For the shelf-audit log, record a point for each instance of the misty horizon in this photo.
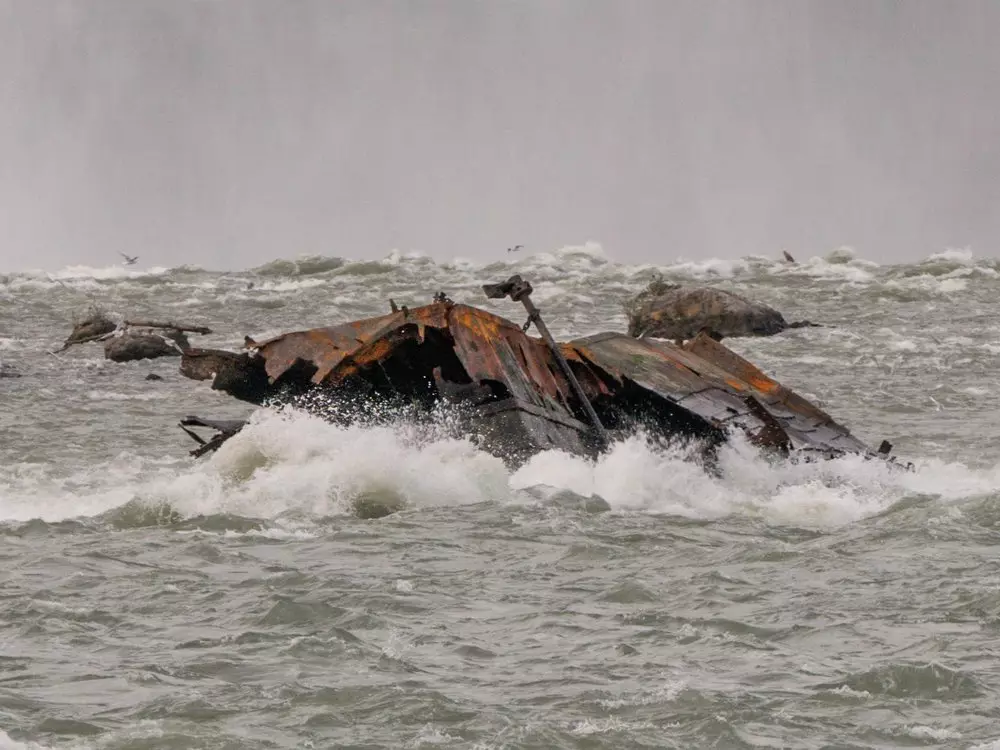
(227, 134)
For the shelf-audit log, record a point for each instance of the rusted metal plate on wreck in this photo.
(671, 373)
(489, 347)
(492, 348)
(768, 389)
(688, 373)
(799, 417)
(714, 386)
(356, 344)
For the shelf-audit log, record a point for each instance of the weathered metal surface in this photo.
(520, 290)
(709, 380)
(516, 430)
(513, 388)
(491, 348)
(669, 372)
(339, 351)
(488, 346)
(806, 423)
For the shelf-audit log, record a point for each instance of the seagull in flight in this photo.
(129, 260)
(514, 249)
(788, 256)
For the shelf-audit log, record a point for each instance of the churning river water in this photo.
(151, 600)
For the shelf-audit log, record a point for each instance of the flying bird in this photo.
(129, 260)
(514, 249)
(788, 256)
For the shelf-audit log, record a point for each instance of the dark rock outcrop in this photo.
(672, 311)
(134, 345)
(96, 324)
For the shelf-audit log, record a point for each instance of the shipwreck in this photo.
(517, 394)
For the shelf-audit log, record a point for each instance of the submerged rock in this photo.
(134, 345)
(672, 311)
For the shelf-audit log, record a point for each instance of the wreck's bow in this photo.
(516, 394)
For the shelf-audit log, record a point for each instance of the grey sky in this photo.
(229, 132)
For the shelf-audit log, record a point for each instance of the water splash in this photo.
(289, 462)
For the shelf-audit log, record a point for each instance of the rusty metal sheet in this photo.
(805, 422)
(714, 405)
(708, 349)
(777, 398)
(362, 341)
(712, 381)
(671, 373)
(492, 348)
(675, 371)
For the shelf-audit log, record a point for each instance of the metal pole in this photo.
(519, 290)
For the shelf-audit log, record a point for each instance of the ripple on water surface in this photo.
(392, 586)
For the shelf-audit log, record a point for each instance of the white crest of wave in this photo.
(638, 475)
(951, 255)
(290, 462)
(7, 743)
(568, 259)
(115, 272)
(708, 268)
(641, 476)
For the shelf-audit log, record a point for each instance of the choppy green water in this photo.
(151, 601)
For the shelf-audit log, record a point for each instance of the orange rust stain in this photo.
(761, 382)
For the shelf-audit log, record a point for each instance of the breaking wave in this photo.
(287, 464)
(304, 266)
(573, 262)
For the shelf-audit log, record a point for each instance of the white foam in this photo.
(852, 693)
(951, 255)
(850, 271)
(718, 268)
(431, 735)
(588, 727)
(287, 462)
(637, 475)
(665, 692)
(6, 743)
(928, 283)
(117, 396)
(297, 285)
(934, 734)
(105, 272)
(947, 286)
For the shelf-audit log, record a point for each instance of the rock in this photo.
(154, 376)
(671, 311)
(133, 345)
(96, 325)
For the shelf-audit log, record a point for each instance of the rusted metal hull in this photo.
(511, 391)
